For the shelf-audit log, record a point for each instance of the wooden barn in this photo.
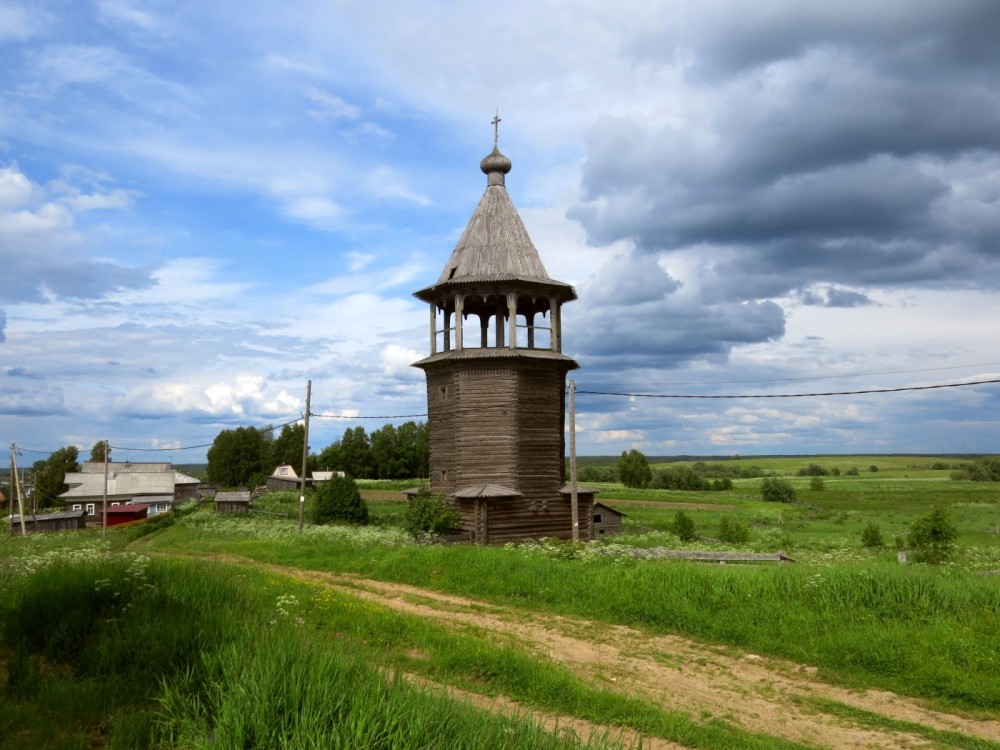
(607, 520)
(70, 520)
(232, 502)
(496, 379)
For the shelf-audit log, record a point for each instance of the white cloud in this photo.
(397, 360)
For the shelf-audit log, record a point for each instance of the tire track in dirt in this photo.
(755, 693)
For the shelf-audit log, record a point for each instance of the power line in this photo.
(828, 377)
(203, 445)
(344, 416)
(789, 395)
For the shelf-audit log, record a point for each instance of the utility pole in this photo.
(572, 462)
(305, 456)
(17, 486)
(104, 511)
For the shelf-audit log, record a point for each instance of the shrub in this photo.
(873, 468)
(816, 484)
(428, 514)
(853, 472)
(683, 526)
(933, 536)
(777, 490)
(871, 536)
(812, 470)
(338, 499)
(733, 532)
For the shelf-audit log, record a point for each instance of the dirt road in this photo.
(753, 692)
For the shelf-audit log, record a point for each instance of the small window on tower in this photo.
(444, 475)
(451, 274)
(444, 392)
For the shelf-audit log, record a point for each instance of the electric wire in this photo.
(829, 377)
(787, 395)
(345, 416)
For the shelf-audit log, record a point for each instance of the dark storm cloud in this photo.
(643, 321)
(848, 145)
(835, 297)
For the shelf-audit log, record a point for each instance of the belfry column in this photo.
(459, 307)
(512, 322)
(555, 322)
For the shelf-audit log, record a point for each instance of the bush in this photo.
(853, 472)
(871, 536)
(777, 490)
(338, 499)
(933, 536)
(812, 470)
(683, 526)
(428, 514)
(733, 532)
(816, 484)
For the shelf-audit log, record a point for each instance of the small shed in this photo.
(232, 502)
(607, 520)
(68, 520)
(119, 514)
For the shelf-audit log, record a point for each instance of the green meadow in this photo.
(140, 641)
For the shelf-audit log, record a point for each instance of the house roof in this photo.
(609, 509)
(127, 509)
(125, 467)
(239, 496)
(285, 471)
(48, 516)
(495, 246)
(138, 483)
(181, 478)
(486, 490)
(580, 490)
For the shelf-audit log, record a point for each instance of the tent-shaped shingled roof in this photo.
(495, 246)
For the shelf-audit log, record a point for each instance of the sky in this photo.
(205, 205)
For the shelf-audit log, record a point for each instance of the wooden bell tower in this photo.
(496, 378)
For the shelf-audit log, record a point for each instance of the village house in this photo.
(495, 390)
(156, 485)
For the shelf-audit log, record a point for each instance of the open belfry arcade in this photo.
(496, 379)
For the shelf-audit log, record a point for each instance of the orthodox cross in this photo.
(496, 126)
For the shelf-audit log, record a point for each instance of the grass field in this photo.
(75, 609)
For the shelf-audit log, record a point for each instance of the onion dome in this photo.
(495, 166)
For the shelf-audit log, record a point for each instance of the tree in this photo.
(933, 536)
(97, 452)
(683, 526)
(428, 514)
(355, 453)
(338, 499)
(236, 455)
(383, 449)
(777, 490)
(287, 447)
(49, 475)
(633, 469)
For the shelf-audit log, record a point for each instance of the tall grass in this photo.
(164, 654)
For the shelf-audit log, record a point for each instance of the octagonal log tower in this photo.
(496, 379)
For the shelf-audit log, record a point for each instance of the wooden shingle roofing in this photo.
(495, 247)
